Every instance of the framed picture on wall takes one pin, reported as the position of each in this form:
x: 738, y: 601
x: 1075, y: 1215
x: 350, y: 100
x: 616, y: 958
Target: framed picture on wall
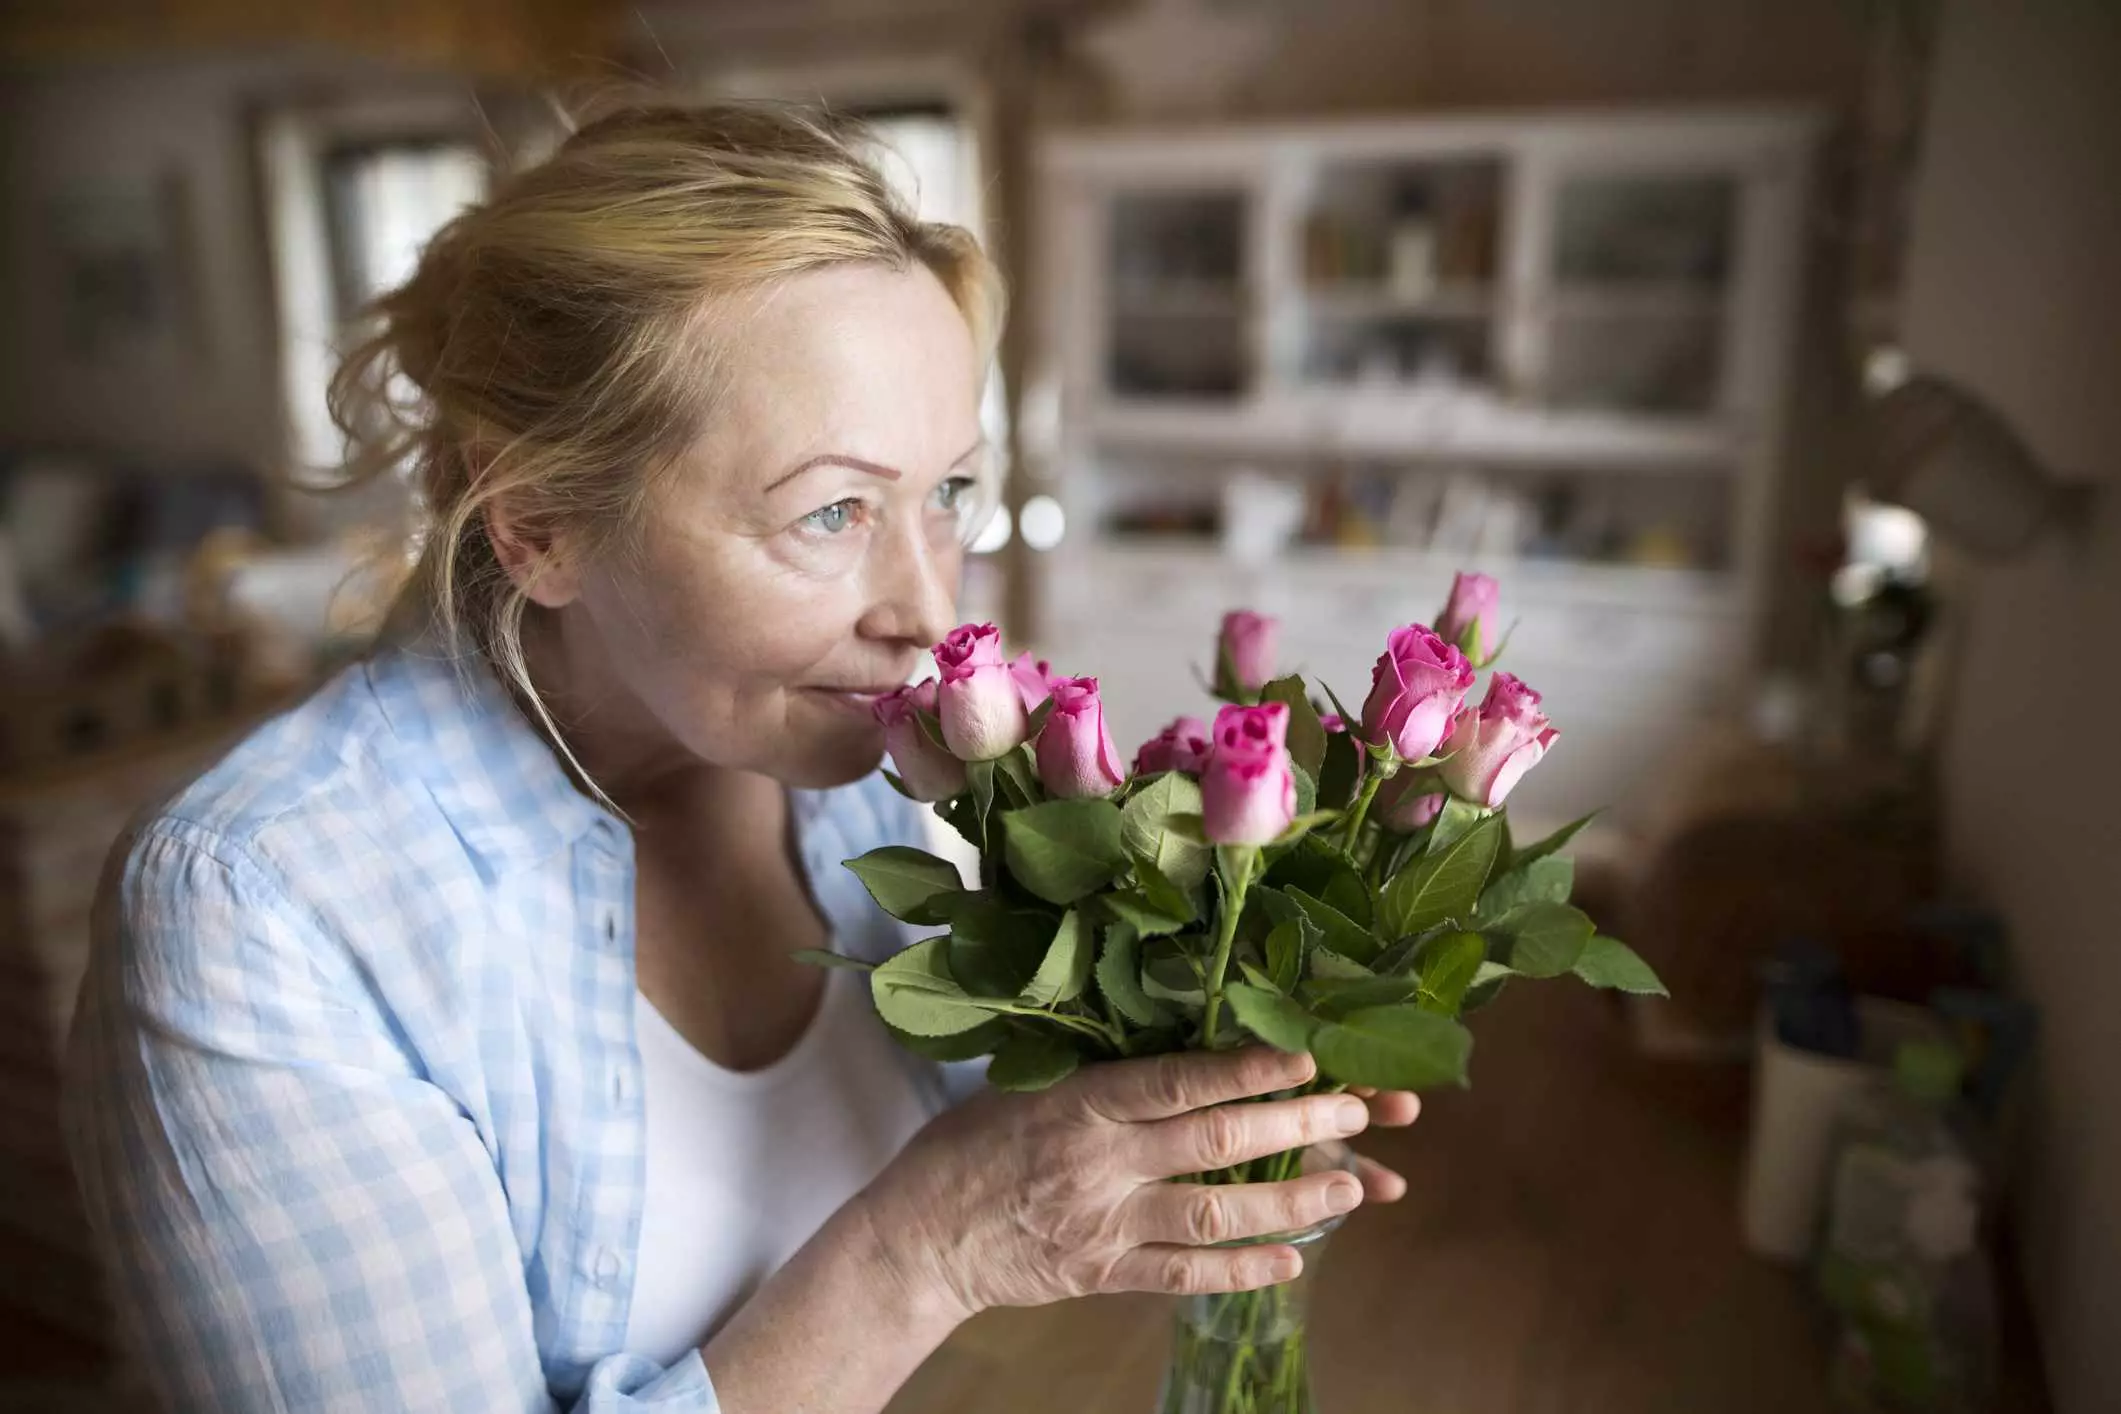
x: 123, y: 268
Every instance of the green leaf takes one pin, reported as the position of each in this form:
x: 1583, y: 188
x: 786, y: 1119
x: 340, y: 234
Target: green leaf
x: 1541, y: 939
x: 1304, y: 824
x: 818, y: 957
x: 963, y: 1046
x: 1031, y: 1059
x: 994, y: 949
x: 1342, y: 933
x: 1327, y: 963
x: 1171, y: 974
x: 1306, y: 790
x: 1452, y: 822
x: 1060, y: 977
x: 1394, y: 1048
x: 1275, y: 1019
x: 1545, y: 880
x: 915, y: 992
x: 1017, y: 777
x: 1335, y: 997
x: 1064, y: 849
x: 1307, y: 735
x: 1164, y: 896
x: 1443, y: 884
x: 1347, y: 719
x: 1147, y: 833
x: 1119, y: 972
x: 1285, y: 954
x: 1137, y: 912
x: 980, y: 776
x: 1487, y: 986
x: 1447, y: 969
x: 1552, y: 843
x: 1608, y: 962
x: 1320, y: 869
x: 907, y: 883
x: 1340, y: 776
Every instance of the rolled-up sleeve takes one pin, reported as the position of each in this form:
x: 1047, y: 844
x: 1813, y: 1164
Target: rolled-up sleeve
x: 293, y: 1216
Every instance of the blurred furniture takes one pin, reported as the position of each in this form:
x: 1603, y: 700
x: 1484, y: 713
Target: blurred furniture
x: 1747, y: 844
x: 1550, y: 346
x: 57, y: 826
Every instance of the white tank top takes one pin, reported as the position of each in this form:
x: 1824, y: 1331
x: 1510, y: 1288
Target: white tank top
x: 743, y: 1166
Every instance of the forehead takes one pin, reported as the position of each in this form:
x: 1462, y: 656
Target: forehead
x: 862, y: 360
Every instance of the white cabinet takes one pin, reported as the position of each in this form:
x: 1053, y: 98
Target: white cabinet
x: 1553, y: 347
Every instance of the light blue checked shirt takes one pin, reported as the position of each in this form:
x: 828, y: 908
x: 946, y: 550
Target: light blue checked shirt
x: 353, y: 1092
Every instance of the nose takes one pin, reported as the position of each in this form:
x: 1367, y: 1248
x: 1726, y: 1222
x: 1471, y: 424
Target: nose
x: 913, y: 591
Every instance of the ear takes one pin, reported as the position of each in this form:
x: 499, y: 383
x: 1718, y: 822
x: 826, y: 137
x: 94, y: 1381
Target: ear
x: 536, y: 562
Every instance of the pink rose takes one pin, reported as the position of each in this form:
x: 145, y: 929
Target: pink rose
x: 1468, y: 618
x: 1333, y: 722
x: 1182, y: 746
x: 1034, y: 679
x: 1248, y: 787
x: 1409, y: 801
x: 929, y: 772
x: 1491, y: 747
x: 980, y: 705
x: 1417, y: 685
x: 1076, y: 756
x: 1246, y: 645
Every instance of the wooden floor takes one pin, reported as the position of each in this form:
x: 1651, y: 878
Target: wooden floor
x: 1569, y: 1246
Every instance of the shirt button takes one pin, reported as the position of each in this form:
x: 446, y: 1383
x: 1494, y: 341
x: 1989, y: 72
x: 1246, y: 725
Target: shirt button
x: 621, y: 1086
x: 608, y: 1266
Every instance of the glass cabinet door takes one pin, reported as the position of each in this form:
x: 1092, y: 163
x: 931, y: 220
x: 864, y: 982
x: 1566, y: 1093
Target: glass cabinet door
x: 1633, y: 292
x: 1177, y: 316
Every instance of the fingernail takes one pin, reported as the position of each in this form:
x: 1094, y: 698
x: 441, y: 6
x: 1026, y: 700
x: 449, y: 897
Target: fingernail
x: 1344, y: 1194
x: 1350, y: 1116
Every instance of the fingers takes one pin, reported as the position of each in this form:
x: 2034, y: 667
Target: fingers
x: 1158, y: 1087
x: 1231, y: 1133
x: 1394, y: 1108
x: 1196, y: 1271
x: 1379, y: 1184
x: 1207, y: 1213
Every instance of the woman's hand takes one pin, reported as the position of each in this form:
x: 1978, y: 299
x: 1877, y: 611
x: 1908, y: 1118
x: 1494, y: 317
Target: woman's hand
x: 1396, y: 1108
x: 1018, y: 1200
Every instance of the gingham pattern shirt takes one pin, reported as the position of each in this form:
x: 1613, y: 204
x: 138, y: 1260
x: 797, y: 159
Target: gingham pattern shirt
x: 353, y: 1091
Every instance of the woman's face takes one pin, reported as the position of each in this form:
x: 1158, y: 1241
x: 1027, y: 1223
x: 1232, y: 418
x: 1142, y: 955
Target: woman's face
x: 802, y: 555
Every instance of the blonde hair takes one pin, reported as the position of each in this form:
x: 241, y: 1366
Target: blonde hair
x: 556, y: 343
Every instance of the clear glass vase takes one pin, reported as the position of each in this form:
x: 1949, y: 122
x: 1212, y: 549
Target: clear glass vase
x: 1246, y: 1352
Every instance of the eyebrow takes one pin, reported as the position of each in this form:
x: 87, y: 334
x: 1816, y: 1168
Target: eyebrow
x: 859, y: 464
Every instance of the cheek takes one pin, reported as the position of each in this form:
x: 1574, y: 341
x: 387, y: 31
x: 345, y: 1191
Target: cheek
x: 722, y: 640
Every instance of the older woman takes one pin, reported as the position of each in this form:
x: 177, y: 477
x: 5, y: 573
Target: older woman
x: 441, y: 1049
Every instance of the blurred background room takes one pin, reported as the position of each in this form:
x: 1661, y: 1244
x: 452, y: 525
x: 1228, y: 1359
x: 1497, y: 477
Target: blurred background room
x: 1767, y: 351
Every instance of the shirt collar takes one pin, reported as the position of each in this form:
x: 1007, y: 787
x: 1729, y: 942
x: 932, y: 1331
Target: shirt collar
x: 492, y: 772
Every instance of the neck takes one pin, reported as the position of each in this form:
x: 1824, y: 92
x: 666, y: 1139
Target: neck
x: 619, y: 745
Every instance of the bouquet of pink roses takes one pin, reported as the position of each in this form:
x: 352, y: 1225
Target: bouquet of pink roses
x: 1337, y: 883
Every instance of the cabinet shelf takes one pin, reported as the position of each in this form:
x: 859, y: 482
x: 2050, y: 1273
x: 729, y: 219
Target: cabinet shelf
x: 1359, y: 300
x: 1417, y: 424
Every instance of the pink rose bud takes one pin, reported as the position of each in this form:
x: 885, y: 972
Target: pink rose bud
x: 1409, y: 801
x: 1468, y: 618
x: 1417, y: 685
x: 1246, y: 647
x: 980, y: 705
x: 1076, y: 756
x: 1333, y: 722
x: 1034, y: 679
x: 1248, y: 787
x: 1492, y: 746
x: 1182, y: 746
x: 929, y: 772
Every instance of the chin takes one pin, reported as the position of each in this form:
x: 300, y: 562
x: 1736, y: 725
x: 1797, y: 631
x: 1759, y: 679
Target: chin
x: 828, y: 764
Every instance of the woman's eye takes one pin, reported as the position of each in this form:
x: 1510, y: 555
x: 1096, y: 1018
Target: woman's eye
x: 952, y: 494
x: 832, y: 519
